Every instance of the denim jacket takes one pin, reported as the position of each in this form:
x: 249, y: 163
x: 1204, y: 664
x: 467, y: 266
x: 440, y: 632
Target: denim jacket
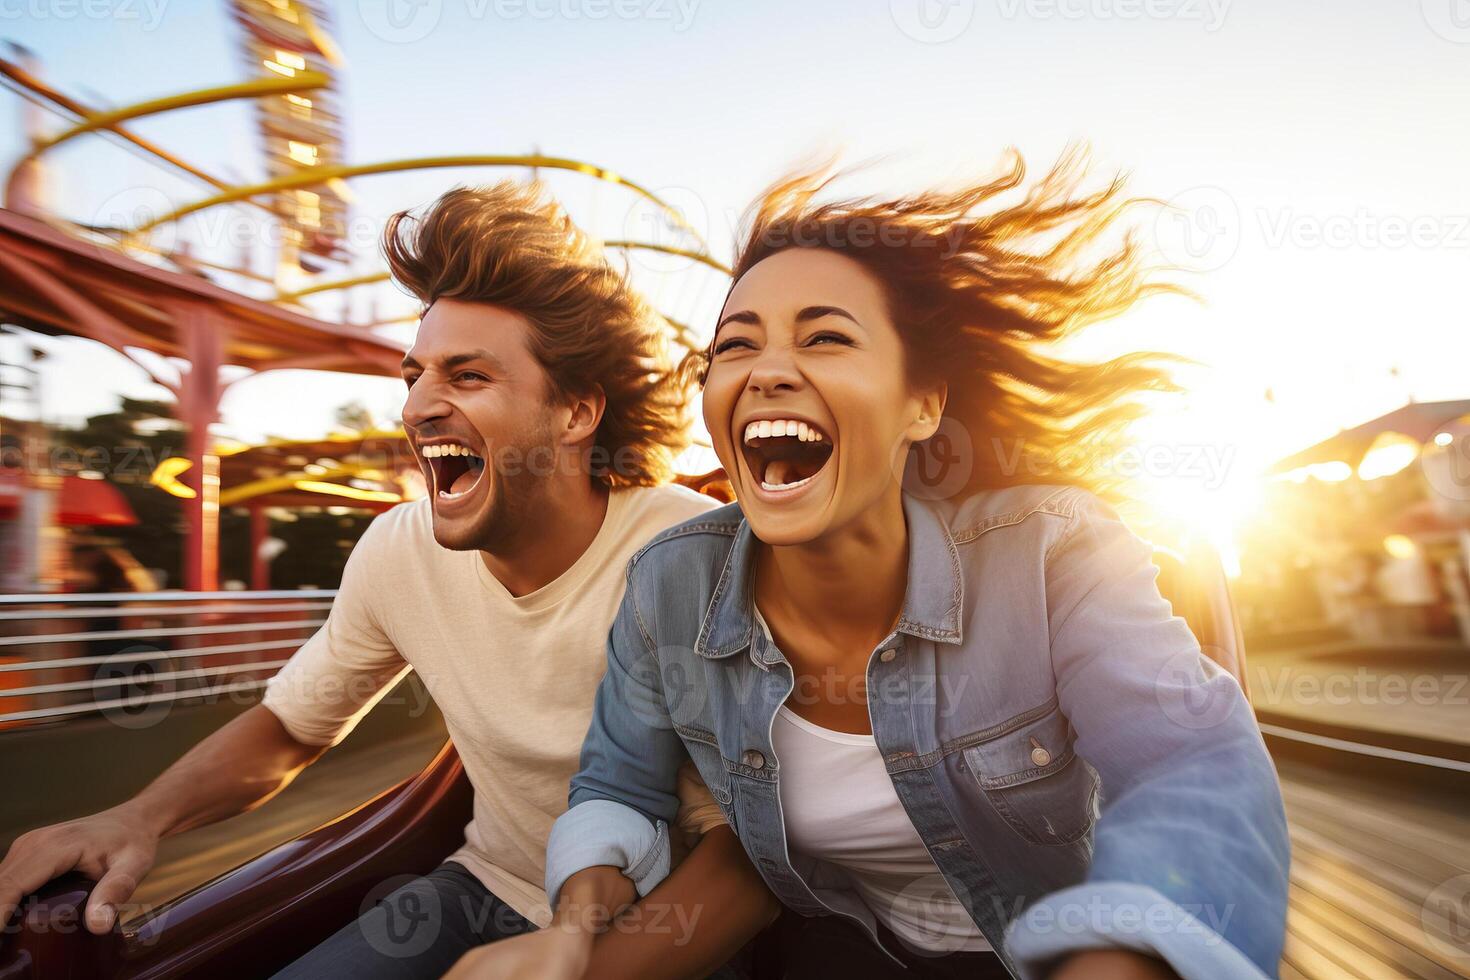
x: 1082, y: 776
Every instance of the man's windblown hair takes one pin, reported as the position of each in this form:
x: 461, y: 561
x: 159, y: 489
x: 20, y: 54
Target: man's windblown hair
x: 510, y: 246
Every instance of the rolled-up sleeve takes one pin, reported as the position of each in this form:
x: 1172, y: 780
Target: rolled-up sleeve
x: 1191, y: 849
x: 624, y: 796
x: 348, y: 664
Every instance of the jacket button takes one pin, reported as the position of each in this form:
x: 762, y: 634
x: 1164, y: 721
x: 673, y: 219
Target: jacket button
x: 753, y: 759
x: 887, y: 655
x: 1040, y: 756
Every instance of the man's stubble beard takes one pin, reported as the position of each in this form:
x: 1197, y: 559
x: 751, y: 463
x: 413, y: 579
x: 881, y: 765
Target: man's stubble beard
x: 514, y: 497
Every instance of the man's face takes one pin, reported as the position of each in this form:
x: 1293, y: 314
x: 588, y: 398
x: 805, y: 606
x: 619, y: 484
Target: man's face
x: 480, y: 421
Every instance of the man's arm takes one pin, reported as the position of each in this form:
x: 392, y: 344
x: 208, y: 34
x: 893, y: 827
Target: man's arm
x: 239, y: 767
x: 312, y: 703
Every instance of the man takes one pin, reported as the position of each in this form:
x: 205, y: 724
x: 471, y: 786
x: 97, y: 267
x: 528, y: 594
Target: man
x: 543, y: 431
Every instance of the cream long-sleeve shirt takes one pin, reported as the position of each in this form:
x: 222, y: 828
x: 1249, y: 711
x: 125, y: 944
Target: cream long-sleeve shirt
x: 514, y: 676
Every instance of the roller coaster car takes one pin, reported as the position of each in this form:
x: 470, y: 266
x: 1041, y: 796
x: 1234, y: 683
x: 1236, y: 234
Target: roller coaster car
x: 254, y: 920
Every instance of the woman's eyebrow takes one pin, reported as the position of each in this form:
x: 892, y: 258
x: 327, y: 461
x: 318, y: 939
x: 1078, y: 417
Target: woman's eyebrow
x: 739, y: 316
x: 817, y: 312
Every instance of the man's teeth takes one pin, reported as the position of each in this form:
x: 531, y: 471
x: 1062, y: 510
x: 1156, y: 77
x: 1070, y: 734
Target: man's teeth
x: 434, y: 452
x: 783, y: 428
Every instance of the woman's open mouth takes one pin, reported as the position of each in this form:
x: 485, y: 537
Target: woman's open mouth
x: 455, y: 467
x: 784, y: 454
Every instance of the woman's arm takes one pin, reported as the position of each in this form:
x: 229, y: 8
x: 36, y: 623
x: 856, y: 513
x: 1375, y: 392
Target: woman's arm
x: 712, y: 904
x: 691, y: 924
x: 1191, y: 852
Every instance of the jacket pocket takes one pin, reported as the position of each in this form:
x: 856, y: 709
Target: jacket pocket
x: 1034, y: 779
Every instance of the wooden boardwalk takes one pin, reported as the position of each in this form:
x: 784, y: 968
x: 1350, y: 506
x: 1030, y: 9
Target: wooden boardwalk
x: 1373, y: 881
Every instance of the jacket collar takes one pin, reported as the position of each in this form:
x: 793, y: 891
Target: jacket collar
x: 931, y: 606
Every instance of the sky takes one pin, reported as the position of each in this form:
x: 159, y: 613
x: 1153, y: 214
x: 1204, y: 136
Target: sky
x: 1315, y: 154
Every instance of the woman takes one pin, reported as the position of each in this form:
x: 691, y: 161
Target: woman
x: 913, y: 695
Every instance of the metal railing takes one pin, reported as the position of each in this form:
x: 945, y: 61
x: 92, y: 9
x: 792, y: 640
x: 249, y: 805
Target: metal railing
x: 125, y: 654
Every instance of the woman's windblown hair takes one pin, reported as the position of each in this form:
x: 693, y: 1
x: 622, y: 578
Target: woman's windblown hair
x: 980, y: 292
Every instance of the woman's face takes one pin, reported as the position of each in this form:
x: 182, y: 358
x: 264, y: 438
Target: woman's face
x: 806, y: 400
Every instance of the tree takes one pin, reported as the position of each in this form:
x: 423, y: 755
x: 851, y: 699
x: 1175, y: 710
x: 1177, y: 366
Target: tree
x: 355, y: 417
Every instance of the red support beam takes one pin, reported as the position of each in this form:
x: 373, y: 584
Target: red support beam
x: 202, y: 335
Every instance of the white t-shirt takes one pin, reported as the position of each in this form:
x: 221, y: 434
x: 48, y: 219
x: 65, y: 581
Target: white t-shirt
x: 514, y: 676
x: 840, y: 807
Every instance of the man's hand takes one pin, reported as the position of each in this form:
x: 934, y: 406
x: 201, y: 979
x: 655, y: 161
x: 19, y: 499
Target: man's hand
x: 115, y: 847
x: 555, y: 953
x: 1113, y: 964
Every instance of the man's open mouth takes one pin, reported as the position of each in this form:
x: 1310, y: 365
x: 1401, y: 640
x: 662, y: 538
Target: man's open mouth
x: 785, y: 453
x: 456, y: 468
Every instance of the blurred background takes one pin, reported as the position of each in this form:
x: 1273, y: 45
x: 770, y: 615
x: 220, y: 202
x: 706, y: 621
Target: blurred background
x: 199, y: 348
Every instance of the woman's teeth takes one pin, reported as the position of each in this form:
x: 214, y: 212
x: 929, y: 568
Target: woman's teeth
x: 785, y: 486
x: 774, y: 454
x: 783, y: 428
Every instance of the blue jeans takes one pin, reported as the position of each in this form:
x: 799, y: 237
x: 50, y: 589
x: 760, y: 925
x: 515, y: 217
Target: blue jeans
x: 420, y: 929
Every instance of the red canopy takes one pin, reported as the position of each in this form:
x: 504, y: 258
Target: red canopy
x: 92, y: 503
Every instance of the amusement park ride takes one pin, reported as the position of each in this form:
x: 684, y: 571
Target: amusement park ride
x: 116, y: 285
x: 1376, y: 807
